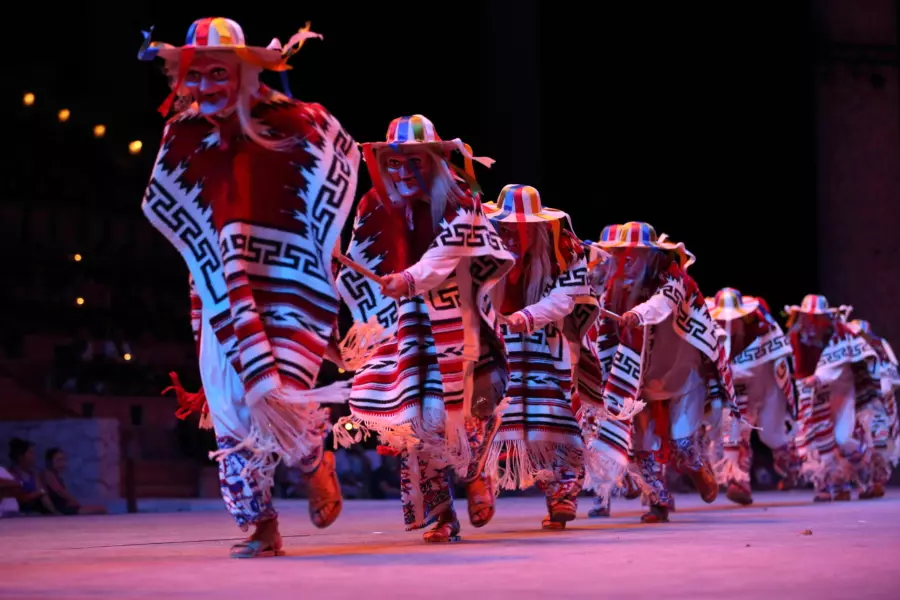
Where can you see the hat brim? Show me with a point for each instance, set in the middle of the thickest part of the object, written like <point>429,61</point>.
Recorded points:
<point>685,258</point>
<point>731,314</point>
<point>499,215</point>
<point>442,146</point>
<point>796,309</point>
<point>267,58</point>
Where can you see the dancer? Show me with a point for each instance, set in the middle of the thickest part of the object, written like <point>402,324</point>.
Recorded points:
<point>252,188</point>
<point>549,308</point>
<point>759,352</point>
<point>662,349</point>
<point>432,390</point>
<point>830,361</point>
<point>600,267</point>
<point>877,414</point>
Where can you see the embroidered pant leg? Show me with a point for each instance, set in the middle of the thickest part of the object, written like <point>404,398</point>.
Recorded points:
<point>737,456</point>
<point>247,492</point>
<point>874,425</point>
<point>686,416</point>
<point>842,402</point>
<point>567,482</point>
<point>654,474</point>
<point>786,461</point>
<point>646,446</point>
<point>425,490</point>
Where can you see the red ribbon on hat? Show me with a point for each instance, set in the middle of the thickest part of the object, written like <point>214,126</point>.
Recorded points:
<point>187,57</point>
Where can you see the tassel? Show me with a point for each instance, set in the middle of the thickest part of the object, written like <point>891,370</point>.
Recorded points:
<point>188,402</point>
<point>630,407</point>
<point>361,344</point>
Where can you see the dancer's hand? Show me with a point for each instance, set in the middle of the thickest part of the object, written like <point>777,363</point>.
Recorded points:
<point>395,286</point>
<point>517,322</point>
<point>629,320</point>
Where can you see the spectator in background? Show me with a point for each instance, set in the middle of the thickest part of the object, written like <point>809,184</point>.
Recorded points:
<point>353,471</point>
<point>385,482</point>
<point>10,490</point>
<point>59,496</point>
<point>34,498</point>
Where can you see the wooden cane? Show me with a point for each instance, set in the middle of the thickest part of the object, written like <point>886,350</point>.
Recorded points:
<point>351,264</point>
<point>610,314</point>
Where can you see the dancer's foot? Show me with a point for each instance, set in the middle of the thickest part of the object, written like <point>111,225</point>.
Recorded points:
<point>563,511</point>
<point>445,530</point>
<point>705,482</point>
<point>325,500</point>
<point>787,483</point>
<point>822,496</point>
<point>671,503</point>
<point>480,500</point>
<point>602,508</point>
<point>842,496</point>
<point>867,494</point>
<point>265,541</point>
<point>658,514</point>
<point>739,494</point>
<point>632,489</point>
<point>548,524</point>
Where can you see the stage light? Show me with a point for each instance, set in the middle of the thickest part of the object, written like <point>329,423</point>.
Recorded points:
<point>99,131</point>
<point>135,147</point>
<point>127,356</point>
<point>28,99</point>
<point>77,258</point>
<point>64,115</point>
<point>341,370</point>
<point>348,426</point>
<point>79,301</point>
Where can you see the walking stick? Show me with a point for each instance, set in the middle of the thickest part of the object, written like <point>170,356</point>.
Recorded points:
<point>351,264</point>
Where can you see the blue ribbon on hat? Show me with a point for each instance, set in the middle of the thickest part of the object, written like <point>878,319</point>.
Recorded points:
<point>285,84</point>
<point>146,51</point>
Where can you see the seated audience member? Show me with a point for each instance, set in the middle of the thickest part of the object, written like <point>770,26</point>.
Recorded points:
<point>62,500</point>
<point>34,498</point>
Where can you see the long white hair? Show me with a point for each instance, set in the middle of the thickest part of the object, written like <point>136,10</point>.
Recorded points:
<point>248,90</point>
<point>536,261</point>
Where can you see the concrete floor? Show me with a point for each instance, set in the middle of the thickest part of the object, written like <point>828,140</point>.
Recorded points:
<point>720,551</point>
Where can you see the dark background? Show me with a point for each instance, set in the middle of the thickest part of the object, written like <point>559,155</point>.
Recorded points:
<point>699,120</point>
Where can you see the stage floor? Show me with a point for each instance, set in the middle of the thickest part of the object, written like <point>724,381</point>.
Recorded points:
<point>718,551</point>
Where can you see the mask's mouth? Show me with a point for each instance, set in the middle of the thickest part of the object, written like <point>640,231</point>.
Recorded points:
<point>408,186</point>
<point>213,102</point>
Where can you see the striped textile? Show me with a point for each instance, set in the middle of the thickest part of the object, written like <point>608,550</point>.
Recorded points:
<point>256,229</point>
<point>815,435</point>
<point>624,361</point>
<point>387,394</point>
<point>539,429</point>
<point>766,343</point>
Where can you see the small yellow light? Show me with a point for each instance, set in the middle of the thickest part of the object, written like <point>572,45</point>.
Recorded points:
<point>348,426</point>
<point>135,147</point>
<point>79,301</point>
<point>341,370</point>
<point>64,115</point>
<point>77,258</point>
<point>28,99</point>
<point>99,131</point>
<point>127,356</point>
